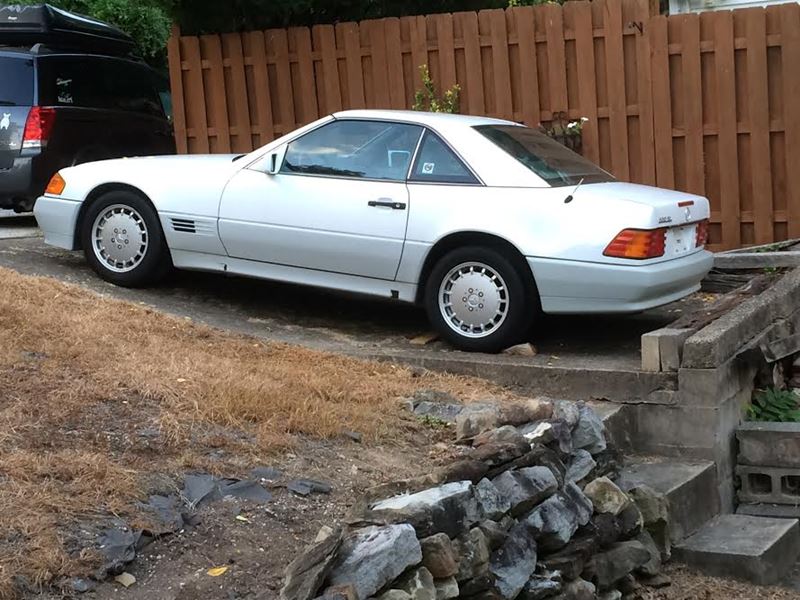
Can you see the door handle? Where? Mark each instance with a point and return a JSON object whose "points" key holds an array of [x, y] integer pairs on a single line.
{"points": [[387, 203]]}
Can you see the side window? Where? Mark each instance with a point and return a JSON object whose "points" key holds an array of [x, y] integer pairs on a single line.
{"points": [[358, 149], [72, 81], [436, 163], [132, 88]]}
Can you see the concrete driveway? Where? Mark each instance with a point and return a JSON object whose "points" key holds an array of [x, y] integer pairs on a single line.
{"points": [[577, 356]]}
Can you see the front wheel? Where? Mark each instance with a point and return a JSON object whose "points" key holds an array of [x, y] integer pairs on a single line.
{"points": [[478, 300], [123, 241]]}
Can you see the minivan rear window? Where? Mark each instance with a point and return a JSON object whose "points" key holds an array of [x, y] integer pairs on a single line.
{"points": [[17, 77]]}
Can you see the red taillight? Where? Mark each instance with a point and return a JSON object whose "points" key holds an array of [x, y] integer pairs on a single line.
{"points": [[638, 244], [38, 127], [702, 233]]}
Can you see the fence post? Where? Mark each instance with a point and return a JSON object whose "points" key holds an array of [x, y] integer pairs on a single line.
{"points": [[176, 85]]}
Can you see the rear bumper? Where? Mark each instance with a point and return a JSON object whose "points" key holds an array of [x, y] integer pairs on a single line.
{"points": [[25, 181], [582, 287], [58, 218]]}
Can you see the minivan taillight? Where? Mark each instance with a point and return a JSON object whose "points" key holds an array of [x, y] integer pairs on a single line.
{"points": [[638, 244], [38, 127]]}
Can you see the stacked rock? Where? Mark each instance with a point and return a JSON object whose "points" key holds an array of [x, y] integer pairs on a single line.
{"points": [[532, 512]]}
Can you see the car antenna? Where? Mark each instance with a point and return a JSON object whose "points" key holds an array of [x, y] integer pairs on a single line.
{"points": [[571, 197]]}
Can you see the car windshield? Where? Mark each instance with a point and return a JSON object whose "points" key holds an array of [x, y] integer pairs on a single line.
{"points": [[17, 77], [553, 162]]}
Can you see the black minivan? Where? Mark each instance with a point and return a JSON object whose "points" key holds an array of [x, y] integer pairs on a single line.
{"points": [[61, 105]]}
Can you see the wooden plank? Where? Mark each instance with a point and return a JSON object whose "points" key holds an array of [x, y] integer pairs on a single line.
{"points": [[176, 87], [418, 30], [325, 40], [476, 102], [394, 64], [662, 104], [529, 75], [447, 51], [758, 101], [219, 101], [305, 66], [581, 13], [556, 58], [376, 30], [255, 47], [645, 94], [278, 46], [502, 68], [615, 74], [238, 98], [790, 60], [727, 137], [197, 119], [693, 103], [355, 69]]}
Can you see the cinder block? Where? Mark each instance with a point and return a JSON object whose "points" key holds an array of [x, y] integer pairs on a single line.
{"points": [[756, 549], [769, 444], [777, 511], [670, 344], [771, 485]]}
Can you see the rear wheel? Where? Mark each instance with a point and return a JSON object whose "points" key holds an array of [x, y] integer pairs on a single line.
{"points": [[479, 301], [123, 241]]}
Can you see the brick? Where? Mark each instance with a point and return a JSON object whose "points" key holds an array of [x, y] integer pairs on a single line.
{"points": [[651, 357]]}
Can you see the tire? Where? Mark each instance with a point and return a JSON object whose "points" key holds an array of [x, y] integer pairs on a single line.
{"points": [[479, 301], [137, 254]]}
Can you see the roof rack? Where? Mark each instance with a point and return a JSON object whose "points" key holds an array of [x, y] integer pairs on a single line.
{"points": [[45, 26]]}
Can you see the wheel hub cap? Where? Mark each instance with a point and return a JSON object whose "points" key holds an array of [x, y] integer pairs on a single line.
{"points": [[120, 238], [473, 299]]}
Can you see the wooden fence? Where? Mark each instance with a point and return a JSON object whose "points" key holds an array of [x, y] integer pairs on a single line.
{"points": [[705, 103]]}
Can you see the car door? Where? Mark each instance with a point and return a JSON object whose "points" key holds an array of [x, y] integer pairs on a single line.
{"points": [[338, 202]]}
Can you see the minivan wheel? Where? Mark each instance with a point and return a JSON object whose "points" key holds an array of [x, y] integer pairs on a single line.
{"points": [[478, 300], [123, 241]]}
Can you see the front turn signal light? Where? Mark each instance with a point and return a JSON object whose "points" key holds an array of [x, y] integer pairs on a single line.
{"points": [[56, 185]]}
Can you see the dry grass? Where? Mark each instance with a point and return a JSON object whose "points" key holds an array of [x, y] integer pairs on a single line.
{"points": [[80, 375], [689, 585]]}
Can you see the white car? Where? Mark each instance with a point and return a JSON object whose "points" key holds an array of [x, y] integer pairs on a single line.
{"points": [[484, 222]]}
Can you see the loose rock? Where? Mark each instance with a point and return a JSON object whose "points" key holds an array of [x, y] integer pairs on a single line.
{"points": [[577, 590], [438, 556], [653, 566], [606, 496], [519, 413], [539, 587], [526, 488], [655, 514], [473, 550], [446, 589], [500, 453], [513, 564], [418, 584], [492, 503], [555, 521], [589, 433], [447, 413], [475, 419], [581, 464], [374, 556], [450, 509], [607, 568], [463, 470], [582, 504], [306, 573], [507, 433]]}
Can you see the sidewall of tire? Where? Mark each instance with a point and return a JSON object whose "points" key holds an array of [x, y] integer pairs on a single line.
{"points": [[156, 262], [522, 305]]}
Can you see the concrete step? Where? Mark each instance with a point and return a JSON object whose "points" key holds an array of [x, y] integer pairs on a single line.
{"points": [[761, 550], [690, 487]]}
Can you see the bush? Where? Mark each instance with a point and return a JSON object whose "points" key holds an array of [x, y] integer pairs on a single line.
{"points": [[774, 405]]}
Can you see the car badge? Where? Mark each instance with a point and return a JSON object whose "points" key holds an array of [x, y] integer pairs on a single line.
{"points": [[5, 122], [688, 215]]}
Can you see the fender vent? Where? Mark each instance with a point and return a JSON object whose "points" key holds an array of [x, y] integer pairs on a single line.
{"points": [[184, 226]]}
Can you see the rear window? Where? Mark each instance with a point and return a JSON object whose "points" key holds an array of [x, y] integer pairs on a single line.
{"points": [[553, 162], [93, 82], [17, 77]]}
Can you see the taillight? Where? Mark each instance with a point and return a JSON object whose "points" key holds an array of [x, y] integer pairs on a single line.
{"points": [[38, 127], [638, 244], [702, 233]]}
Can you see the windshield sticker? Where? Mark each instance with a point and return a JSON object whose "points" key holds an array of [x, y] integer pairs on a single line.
{"points": [[427, 168]]}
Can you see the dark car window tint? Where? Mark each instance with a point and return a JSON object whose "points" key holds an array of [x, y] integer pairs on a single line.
{"points": [[93, 82], [360, 149], [17, 77], [550, 160], [436, 163]]}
